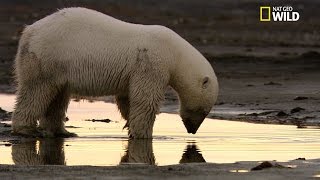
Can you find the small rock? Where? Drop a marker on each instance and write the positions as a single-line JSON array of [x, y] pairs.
[[298, 98], [272, 84], [170, 169], [296, 109], [250, 85], [263, 165], [301, 159], [282, 114], [7, 144]]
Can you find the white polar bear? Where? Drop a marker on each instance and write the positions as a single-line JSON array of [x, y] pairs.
[[77, 51]]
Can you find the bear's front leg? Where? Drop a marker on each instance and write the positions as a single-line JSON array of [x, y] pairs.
[[123, 106], [144, 99]]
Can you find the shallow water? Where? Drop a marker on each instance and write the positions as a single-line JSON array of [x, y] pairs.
[[216, 141]]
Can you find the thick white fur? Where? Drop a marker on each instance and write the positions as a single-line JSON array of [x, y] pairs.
[[77, 51]]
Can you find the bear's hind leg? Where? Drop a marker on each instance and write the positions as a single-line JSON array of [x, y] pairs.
[[31, 103], [52, 123]]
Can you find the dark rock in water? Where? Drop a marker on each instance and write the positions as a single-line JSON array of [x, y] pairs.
[[72, 127], [300, 123], [282, 114], [263, 165], [99, 120], [311, 54], [298, 98], [250, 85], [272, 84], [296, 109], [301, 159], [252, 114]]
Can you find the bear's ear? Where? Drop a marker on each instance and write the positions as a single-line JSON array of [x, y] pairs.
[[205, 82]]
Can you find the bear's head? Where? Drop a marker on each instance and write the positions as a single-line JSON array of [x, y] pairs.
[[196, 103], [197, 86]]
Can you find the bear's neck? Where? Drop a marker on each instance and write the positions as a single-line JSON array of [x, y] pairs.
[[185, 66]]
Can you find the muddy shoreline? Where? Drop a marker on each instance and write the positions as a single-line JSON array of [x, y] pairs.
[[296, 169]]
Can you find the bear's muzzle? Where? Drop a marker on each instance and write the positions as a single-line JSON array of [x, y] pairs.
[[193, 122]]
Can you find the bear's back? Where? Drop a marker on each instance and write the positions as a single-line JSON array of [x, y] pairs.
[[81, 32]]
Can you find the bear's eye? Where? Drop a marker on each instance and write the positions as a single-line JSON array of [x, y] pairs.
[[205, 82]]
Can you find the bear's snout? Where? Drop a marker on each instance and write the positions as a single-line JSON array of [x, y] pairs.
[[193, 122]]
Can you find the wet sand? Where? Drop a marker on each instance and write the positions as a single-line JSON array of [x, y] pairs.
[[302, 170]]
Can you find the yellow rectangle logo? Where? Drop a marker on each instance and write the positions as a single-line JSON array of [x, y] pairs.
[[265, 8]]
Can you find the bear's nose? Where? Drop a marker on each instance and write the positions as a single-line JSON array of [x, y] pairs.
[[192, 125]]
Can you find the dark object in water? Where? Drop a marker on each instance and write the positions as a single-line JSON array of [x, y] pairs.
[[311, 54], [99, 120], [272, 84], [282, 114], [296, 109], [298, 98], [301, 159], [7, 144], [263, 165]]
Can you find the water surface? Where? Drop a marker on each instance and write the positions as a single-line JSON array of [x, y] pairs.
[[216, 141]]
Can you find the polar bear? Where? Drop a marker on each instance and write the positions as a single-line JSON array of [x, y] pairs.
[[77, 51]]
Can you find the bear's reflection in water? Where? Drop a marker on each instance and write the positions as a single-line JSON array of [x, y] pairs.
[[192, 155], [51, 152], [139, 151], [42, 152]]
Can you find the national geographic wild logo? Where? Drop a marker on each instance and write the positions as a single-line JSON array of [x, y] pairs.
[[278, 13]]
